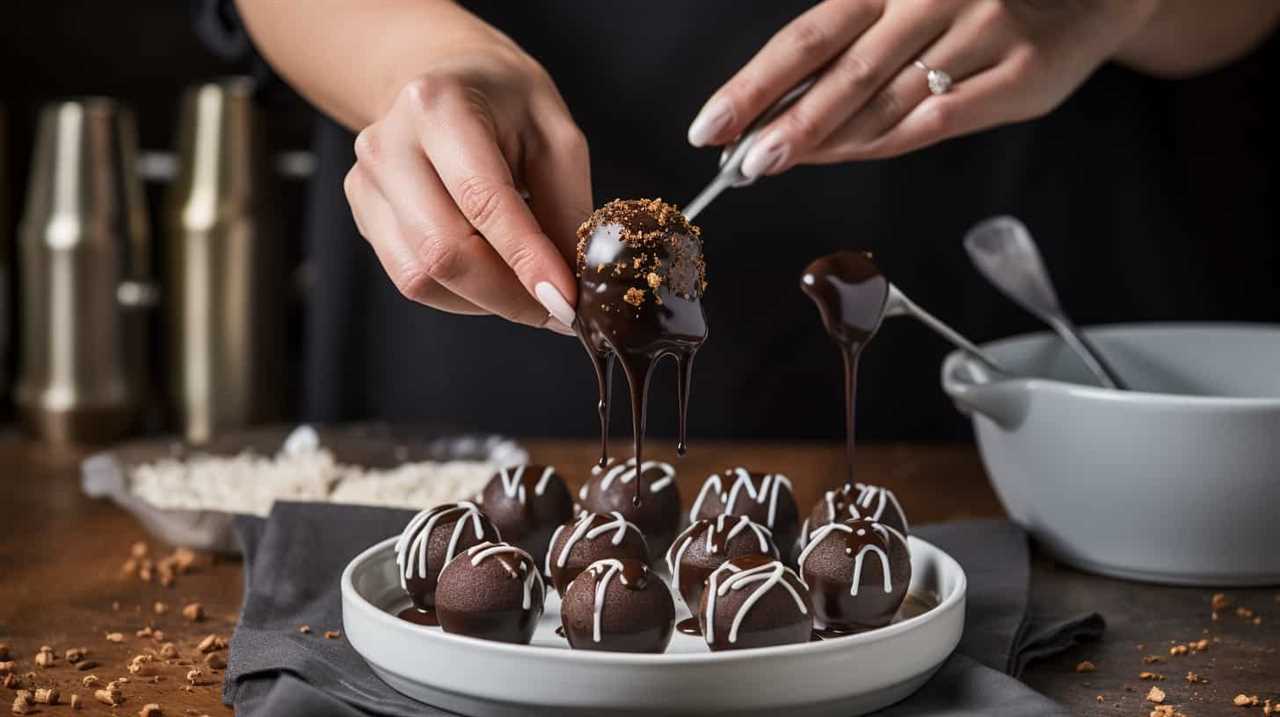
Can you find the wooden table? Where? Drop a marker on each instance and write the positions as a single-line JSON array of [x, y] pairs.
[[62, 585]]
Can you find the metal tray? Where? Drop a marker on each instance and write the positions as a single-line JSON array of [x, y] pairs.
[[106, 474]]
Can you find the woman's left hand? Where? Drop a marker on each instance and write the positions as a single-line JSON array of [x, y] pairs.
[[1009, 60]]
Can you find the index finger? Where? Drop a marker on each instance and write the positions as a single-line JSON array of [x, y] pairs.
[[462, 144]]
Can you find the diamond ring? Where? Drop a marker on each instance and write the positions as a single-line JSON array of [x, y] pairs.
[[939, 81]]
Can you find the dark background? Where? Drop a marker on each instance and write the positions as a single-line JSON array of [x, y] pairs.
[[1151, 199]]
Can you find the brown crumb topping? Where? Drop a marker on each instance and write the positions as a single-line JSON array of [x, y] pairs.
[[661, 249]]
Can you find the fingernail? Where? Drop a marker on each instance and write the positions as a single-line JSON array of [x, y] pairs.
[[713, 118], [766, 156], [553, 301]]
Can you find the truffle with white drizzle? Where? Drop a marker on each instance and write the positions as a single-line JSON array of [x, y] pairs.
[[858, 572], [526, 503], [706, 545], [588, 538], [431, 539], [658, 515], [618, 605], [493, 591], [856, 500], [766, 498], [754, 601]]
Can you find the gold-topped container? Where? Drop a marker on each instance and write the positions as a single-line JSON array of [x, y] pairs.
[[224, 277], [85, 275]]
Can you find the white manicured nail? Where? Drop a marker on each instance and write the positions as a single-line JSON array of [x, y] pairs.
[[713, 118], [553, 301], [767, 155], [553, 324]]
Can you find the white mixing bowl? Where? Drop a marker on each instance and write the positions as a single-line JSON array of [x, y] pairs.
[[1177, 481]]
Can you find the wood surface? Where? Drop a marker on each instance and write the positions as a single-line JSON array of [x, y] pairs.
[[62, 583]]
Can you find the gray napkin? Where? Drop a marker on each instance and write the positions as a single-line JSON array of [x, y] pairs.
[[294, 558]]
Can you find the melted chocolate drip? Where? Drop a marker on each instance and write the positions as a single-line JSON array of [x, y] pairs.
[[689, 626], [851, 294], [640, 284], [419, 617]]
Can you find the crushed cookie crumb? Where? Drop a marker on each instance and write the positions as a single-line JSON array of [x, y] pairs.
[[193, 612], [1156, 676], [1220, 601], [332, 634], [634, 296], [1195, 679], [151, 710], [1085, 666], [1243, 700], [115, 637], [1155, 695], [304, 629], [1152, 659], [1244, 612], [1178, 650]]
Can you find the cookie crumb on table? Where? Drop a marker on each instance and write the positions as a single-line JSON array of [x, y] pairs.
[[1085, 666], [1155, 695]]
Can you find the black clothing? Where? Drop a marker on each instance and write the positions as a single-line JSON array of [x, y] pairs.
[[1151, 199]]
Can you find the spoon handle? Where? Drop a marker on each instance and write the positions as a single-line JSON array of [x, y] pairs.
[[1087, 352], [730, 174], [900, 304]]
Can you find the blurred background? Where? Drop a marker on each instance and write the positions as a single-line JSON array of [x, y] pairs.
[[185, 304]]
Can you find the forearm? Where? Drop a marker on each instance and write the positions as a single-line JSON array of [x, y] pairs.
[[350, 57], [1188, 37]]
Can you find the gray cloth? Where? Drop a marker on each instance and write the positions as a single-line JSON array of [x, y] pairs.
[[294, 558]]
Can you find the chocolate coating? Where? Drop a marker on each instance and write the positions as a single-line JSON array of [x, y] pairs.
[[431, 539], [658, 515], [618, 606], [856, 501], [765, 498], [493, 591], [754, 601], [588, 538], [641, 276], [858, 572], [527, 503], [706, 545]]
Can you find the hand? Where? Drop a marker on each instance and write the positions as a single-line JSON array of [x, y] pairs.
[[440, 181], [1010, 60]]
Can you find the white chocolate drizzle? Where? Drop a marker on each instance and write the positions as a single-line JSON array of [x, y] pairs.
[[627, 472], [513, 485], [618, 524], [604, 571], [524, 565], [412, 543], [770, 485], [768, 576], [858, 507], [885, 531], [682, 542]]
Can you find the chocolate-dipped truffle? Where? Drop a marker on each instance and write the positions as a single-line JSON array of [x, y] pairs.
[[526, 503], [588, 538], [855, 501], [766, 498], [431, 539], [619, 606], [658, 515], [641, 276], [858, 572], [493, 591], [706, 545], [754, 601]]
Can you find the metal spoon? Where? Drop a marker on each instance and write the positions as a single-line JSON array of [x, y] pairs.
[[730, 174], [897, 304], [1003, 251]]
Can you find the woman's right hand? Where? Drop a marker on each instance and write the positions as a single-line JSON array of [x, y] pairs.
[[471, 186]]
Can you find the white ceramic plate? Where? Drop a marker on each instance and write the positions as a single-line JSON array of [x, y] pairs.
[[850, 675]]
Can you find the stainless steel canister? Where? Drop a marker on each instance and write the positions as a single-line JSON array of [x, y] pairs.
[[224, 277], [85, 276]]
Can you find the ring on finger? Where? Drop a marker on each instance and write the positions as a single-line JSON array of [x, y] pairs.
[[939, 81]]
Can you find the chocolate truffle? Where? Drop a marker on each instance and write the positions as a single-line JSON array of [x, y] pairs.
[[526, 503], [588, 538], [754, 601], [658, 515], [858, 571], [858, 500], [707, 544], [641, 276], [766, 498], [493, 591], [431, 539], [618, 606]]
